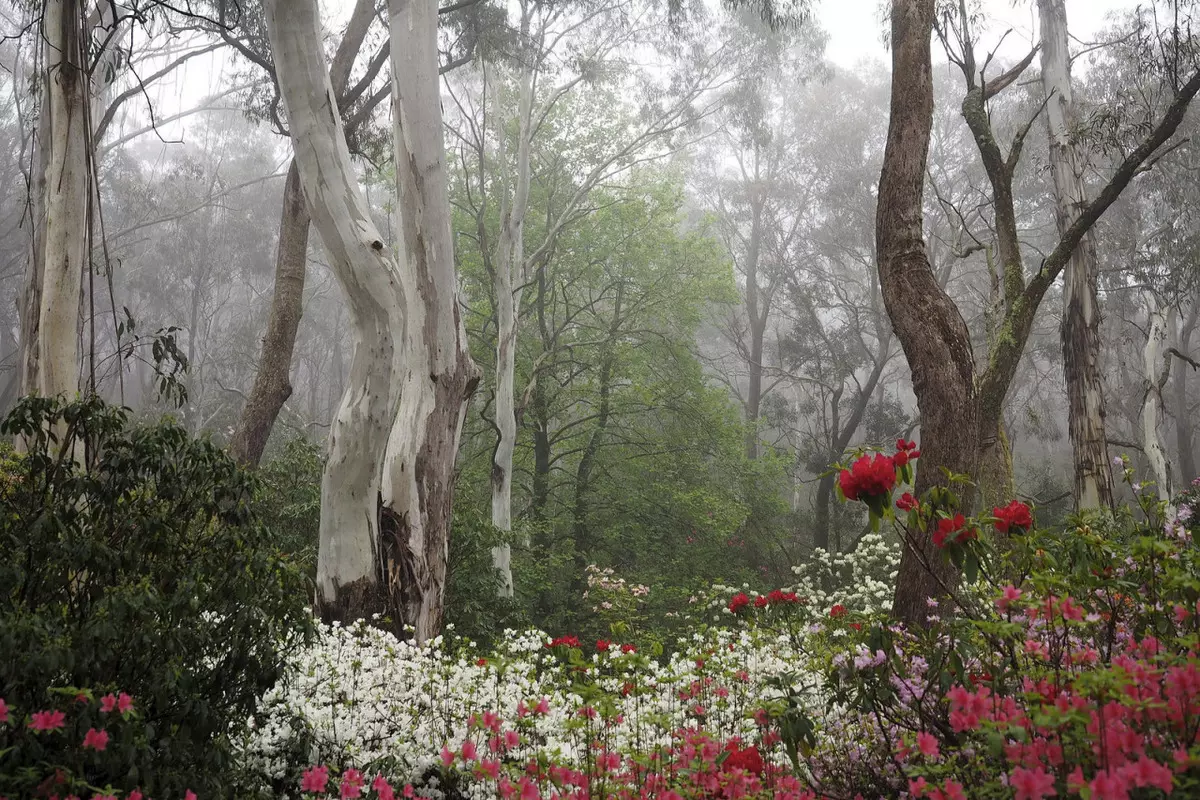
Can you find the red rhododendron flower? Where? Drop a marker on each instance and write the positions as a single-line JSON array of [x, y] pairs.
[[837, 611], [602, 645], [761, 601], [868, 477], [628, 648], [738, 602], [1014, 515], [907, 502], [747, 759], [952, 529], [564, 641]]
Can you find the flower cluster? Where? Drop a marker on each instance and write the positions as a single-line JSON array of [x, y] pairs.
[[868, 477]]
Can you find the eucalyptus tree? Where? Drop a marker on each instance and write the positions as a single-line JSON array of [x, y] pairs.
[[387, 488]]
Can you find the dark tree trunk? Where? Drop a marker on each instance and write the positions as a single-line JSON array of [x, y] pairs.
[[272, 386], [931, 330]]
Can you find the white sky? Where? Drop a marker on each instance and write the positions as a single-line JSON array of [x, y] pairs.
[[856, 28]]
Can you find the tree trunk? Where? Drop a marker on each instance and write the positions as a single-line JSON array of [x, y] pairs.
[[439, 376], [757, 318], [349, 565], [272, 385], [66, 200], [1159, 321], [931, 330], [1081, 312], [510, 256], [1185, 437]]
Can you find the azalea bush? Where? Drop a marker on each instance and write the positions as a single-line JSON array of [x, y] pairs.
[[79, 743], [131, 557]]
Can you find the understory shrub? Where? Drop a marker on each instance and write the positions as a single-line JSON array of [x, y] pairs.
[[130, 560]]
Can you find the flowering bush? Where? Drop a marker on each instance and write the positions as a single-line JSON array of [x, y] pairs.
[[362, 699], [76, 744], [139, 564]]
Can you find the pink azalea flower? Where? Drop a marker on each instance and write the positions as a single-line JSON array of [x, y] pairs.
[[927, 743], [124, 702], [511, 739], [189, 795], [1031, 784], [468, 750], [108, 703], [314, 780], [47, 720], [447, 756], [3, 711], [95, 740], [352, 784], [383, 788], [136, 794], [543, 706]]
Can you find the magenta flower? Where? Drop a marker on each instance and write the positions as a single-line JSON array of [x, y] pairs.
[[352, 784], [383, 788], [314, 780], [95, 740], [47, 720]]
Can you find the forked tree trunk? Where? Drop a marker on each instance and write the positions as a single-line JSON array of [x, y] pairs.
[[1081, 309], [1159, 321], [438, 376], [349, 565], [931, 330], [65, 197], [272, 385]]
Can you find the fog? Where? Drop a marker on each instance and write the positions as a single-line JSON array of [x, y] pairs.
[[663, 221]]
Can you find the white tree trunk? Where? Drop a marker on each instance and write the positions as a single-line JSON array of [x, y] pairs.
[[510, 254], [1159, 321], [65, 197], [349, 566], [438, 376], [1081, 315]]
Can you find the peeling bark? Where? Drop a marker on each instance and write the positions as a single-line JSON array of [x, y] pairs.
[[272, 385], [349, 569], [1081, 308], [438, 376]]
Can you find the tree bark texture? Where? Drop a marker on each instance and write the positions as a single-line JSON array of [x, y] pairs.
[[272, 385], [438, 376], [349, 562], [64, 195], [1160, 318], [1185, 437], [930, 329], [1081, 308], [510, 255]]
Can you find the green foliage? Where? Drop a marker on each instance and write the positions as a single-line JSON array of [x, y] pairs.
[[132, 559], [289, 500]]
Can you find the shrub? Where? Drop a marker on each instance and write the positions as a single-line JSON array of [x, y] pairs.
[[130, 558]]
